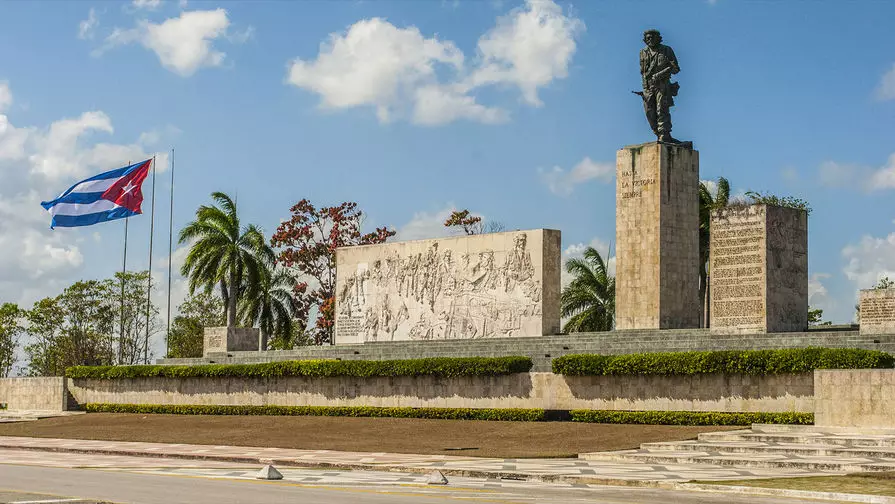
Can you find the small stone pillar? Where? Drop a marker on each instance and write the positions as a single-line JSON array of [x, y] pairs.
[[230, 339], [657, 237], [877, 311], [758, 270]]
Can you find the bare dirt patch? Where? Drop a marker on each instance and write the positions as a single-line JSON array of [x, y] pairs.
[[882, 483], [394, 435]]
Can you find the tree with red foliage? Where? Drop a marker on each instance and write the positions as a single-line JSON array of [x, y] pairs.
[[308, 243]]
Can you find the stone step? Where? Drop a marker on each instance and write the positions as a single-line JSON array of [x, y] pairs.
[[766, 461], [820, 439], [795, 450]]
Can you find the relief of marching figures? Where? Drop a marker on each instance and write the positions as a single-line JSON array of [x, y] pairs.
[[442, 295]]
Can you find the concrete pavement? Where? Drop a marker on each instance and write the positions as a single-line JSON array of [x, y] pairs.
[[148, 480]]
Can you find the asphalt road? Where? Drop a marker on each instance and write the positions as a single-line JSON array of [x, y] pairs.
[[131, 487]]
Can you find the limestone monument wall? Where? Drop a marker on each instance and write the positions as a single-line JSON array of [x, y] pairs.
[[863, 398], [758, 270], [657, 236], [34, 394], [230, 339], [709, 392], [877, 311], [467, 287]]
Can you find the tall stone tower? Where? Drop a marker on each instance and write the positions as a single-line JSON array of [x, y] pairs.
[[657, 237]]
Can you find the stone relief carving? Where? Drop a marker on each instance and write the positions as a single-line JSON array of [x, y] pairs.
[[439, 294]]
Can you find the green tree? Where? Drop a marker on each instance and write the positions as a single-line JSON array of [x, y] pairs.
[[74, 328], [186, 339], [815, 317], [133, 341], [10, 329], [223, 253], [757, 198], [269, 304], [708, 203], [299, 336], [589, 299], [884, 283]]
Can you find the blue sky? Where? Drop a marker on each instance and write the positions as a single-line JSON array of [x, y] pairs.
[[514, 110]]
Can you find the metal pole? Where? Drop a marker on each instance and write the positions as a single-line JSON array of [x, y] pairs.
[[123, 273], [170, 251], [149, 280]]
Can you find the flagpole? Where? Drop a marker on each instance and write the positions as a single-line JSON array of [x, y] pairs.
[[170, 251], [123, 273], [149, 280]]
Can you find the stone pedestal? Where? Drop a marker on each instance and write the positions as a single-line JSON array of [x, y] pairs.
[[877, 311], [758, 270], [230, 339], [657, 237]]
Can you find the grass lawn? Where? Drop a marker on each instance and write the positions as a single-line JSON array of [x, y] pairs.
[[882, 483], [395, 435]]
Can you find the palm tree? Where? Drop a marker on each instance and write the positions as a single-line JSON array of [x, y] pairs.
[[269, 304], [223, 253], [708, 203], [590, 298]]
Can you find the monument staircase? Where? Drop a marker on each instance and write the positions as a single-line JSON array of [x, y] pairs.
[[542, 349], [773, 446]]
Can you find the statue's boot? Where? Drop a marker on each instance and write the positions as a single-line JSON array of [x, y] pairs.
[[667, 138]]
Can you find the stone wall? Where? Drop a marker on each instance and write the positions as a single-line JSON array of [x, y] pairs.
[[877, 311], [855, 398], [657, 237], [483, 286], [39, 394], [524, 390], [758, 270]]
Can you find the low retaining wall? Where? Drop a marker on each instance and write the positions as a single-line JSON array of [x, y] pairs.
[[710, 392], [855, 398], [42, 394]]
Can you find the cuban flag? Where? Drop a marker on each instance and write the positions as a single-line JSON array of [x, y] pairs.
[[108, 196]]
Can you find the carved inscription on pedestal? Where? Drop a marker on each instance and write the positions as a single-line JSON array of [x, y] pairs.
[[877, 311], [477, 287], [632, 184], [737, 269]]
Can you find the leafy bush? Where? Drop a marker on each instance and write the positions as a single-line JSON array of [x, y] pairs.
[[689, 417], [446, 367], [751, 362], [517, 415]]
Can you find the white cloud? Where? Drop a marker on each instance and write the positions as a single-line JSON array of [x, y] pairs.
[[528, 48], [183, 4], [426, 225], [375, 63], [869, 260], [147, 4], [711, 185], [5, 96], [818, 296], [886, 88], [562, 182], [38, 262], [87, 27], [183, 44], [868, 179], [790, 174], [402, 74]]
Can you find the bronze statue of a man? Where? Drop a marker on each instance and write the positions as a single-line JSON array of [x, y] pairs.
[[657, 64]]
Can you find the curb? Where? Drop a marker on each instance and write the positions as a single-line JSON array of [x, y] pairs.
[[781, 492], [474, 473]]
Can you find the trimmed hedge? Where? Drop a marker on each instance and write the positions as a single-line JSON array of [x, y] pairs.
[[689, 417], [446, 367], [750, 362], [517, 415]]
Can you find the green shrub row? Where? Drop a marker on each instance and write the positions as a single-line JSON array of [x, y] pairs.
[[515, 415], [518, 415], [446, 367], [689, 417], [751, 362]]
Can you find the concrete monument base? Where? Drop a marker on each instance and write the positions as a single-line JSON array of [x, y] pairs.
[[657, 236], [230, 339]]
